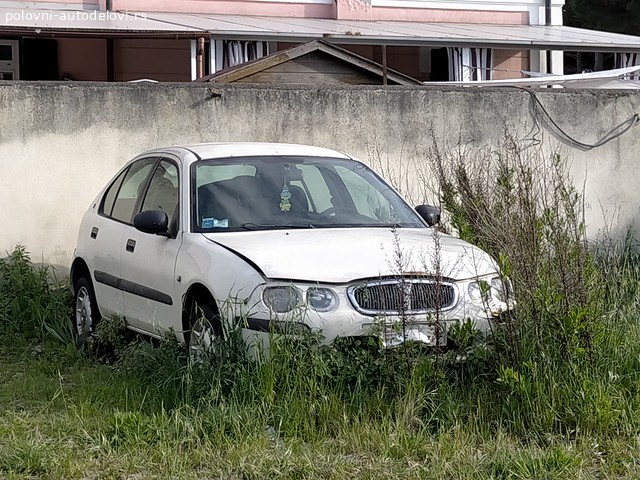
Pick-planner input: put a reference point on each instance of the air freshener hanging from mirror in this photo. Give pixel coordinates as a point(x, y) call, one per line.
point(285, 199)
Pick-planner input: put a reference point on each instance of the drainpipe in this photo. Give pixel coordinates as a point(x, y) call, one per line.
point(547, 22)
point(110, 68)
point(384, 64)
point(200, 58)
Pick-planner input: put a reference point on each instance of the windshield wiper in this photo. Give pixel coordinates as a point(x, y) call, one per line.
point(368, 225)
point(259, 226)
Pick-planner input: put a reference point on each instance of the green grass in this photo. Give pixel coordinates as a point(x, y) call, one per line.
point(66, 416)
point(554, 394)
point(140, 412)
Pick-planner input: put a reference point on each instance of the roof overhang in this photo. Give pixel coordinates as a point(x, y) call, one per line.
point(45, 22)
point(87, 23)
point(620, 78)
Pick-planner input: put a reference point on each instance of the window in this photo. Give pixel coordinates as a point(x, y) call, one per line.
point(228, 53)
point(129, 191)
point(223, 54)
point(216, 173)
point(224, 191)
point(314, 185)
point(39, 59)
point(586, 62)
point(469, 64)
point(253, 193)
point(9, 60)
point(368, 200)
point(162, 193)
point(110, 197)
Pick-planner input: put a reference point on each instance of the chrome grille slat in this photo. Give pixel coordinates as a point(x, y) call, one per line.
point(430, 296)
point(396, 296)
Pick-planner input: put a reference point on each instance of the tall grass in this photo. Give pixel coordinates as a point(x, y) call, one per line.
point(567, 363)
point(33, 303)
point(570, 353)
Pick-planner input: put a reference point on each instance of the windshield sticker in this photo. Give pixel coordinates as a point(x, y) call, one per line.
point(285, 197)
point(211, 222)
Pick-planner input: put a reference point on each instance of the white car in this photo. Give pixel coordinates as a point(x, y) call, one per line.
point(273, 238)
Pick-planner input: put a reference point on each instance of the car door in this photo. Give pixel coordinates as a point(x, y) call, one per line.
point(148, 260)
point(105, 231)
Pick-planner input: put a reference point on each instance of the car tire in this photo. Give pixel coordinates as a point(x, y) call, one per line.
point(204, 328)
point(86, 313)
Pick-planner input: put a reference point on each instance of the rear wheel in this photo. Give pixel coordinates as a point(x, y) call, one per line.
point(86, 314)
point(204, 329)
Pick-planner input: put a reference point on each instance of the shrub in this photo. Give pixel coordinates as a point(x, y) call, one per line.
point(33, 302)
point(557, 352)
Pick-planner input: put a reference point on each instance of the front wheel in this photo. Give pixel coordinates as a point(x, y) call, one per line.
point(86, 314)
point(205, 327)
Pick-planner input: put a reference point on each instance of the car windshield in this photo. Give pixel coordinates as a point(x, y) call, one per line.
point(271, 192)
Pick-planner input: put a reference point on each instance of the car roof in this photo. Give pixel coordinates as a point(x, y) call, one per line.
point(244, 149)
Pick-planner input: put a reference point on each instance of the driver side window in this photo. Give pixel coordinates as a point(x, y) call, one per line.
point(162, 193)
point(128, 191)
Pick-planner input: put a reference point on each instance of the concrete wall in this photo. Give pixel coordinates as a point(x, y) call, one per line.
point(61, 142)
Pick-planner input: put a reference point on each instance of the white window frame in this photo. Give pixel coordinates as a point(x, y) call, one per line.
point(215, 52)
point(11, 66)
point(215, 55)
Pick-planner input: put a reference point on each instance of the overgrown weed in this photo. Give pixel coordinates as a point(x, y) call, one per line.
point(566, 364)
point(33, 303)
point(561, 349)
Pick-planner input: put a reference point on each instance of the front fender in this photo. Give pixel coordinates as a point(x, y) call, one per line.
point(228, 276)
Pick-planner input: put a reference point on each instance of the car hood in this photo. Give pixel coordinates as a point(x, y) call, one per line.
point(340, 255)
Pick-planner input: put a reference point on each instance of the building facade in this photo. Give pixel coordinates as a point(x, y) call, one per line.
point(181, 40)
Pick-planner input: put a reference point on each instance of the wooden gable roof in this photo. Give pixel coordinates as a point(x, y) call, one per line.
point(313, 62)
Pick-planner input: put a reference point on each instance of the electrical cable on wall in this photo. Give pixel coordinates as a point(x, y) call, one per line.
point(614, 133)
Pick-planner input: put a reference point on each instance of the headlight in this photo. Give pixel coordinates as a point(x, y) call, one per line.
point(321, 299)
point(501, 289)
point(281, 299)
point(478, 291)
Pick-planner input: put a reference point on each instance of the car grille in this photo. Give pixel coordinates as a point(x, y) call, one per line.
point(396, 296)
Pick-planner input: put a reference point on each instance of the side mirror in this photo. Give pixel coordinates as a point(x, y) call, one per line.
point(152, 221)
point(429, 213)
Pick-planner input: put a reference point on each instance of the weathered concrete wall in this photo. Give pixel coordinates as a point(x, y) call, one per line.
point(61, 142)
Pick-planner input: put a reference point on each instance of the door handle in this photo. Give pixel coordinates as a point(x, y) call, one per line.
point(94, 232)
point(131, 245)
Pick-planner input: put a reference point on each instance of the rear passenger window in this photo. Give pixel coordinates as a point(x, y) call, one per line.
point(131, 189)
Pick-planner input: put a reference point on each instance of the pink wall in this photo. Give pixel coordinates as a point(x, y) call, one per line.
point(228, 7)
point(81, 4)
point(339, 9)
point(342, 9)
point(362, 10)
point(445, 16)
